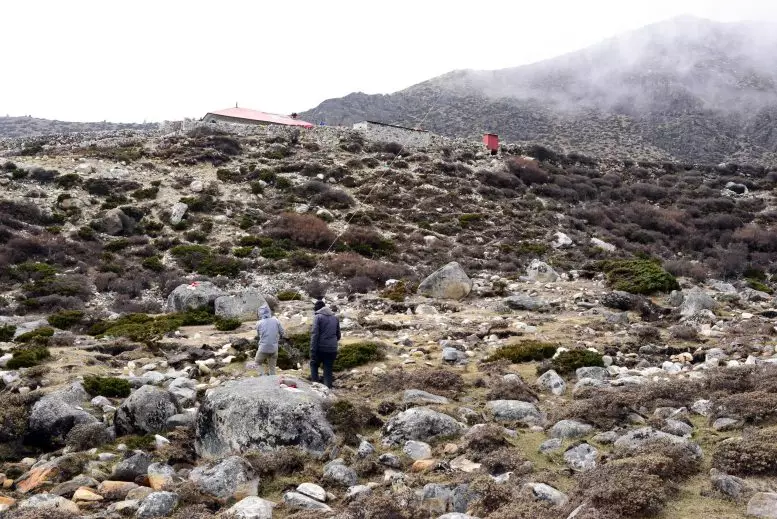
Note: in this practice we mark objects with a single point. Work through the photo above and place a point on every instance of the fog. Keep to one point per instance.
(144, 60)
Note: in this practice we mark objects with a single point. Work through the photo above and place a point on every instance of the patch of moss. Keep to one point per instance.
(755, 284)
(7, 332)
(465, 220)
(638, 276)
(568, 361)
(273, 252)
(117, 245)
(357, 354)
(255, 241)
(526, 351)
(110, 387)
(242, 252)
(66, 319)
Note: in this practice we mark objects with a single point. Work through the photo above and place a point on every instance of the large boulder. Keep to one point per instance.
(200, 294)
(419, 423)
(252, 508)
(145, 411)
(232, 478)
(260, 413)
(244, 305)
(157, 504)
(524, 302)
(114, 222)
(515, 411)
(695, 300)
(53, 416)
(638, 438)
(541, 271)
(450, 282)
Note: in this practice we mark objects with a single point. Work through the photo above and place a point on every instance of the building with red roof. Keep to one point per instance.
(248, 116)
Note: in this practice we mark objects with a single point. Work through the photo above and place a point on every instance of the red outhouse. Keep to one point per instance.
(491, 140)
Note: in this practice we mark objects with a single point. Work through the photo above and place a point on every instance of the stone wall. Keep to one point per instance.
(407, 137)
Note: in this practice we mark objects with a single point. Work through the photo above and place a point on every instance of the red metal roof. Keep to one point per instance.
(256, 115)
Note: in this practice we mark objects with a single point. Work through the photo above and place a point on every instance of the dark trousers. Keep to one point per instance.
(328, 360)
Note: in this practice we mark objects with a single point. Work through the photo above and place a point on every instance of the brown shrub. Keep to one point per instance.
(624, 489)
(512, 388)
(528, 171)
(379, 505)
(85, 436)
(439, 381)
(38, 514)
(755, 453)
(507, 459)
(669, 461)
(302, 229)
(350, 265)
(280, 462)
(753, 407)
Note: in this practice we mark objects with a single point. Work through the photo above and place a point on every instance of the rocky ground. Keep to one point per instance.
(549, 369)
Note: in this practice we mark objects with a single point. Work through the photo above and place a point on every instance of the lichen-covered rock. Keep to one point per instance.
(551, 381)
(231, 478)
(145, 411)
(53, 416)
(157, 504)
(132, 467)
(252, 508)
(515, 411)
(257, 413)
(694, 301)
(570, 430)
(419, 423)
(449, 282)
(541, 271)
(636, 438)
(338, 473)
(178, 212)
(193, 296)
(44, 504)
(243, 305)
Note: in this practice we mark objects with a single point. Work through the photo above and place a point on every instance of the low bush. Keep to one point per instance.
(349, 265)
(31, 336)
(153, 263)
(639, 276)
(350, 419)
(110, 387)
(366, 242)
(66, 319)
(7, 331)
(301, 229)
(282, 461)
(201, 259)
(439, 381)
(623, 489)
(357, 354)
(568, 361)
(225, 325)
(511, 388)
(289, 295)
(28, 356)
(255, 241)
(139, 327)
(242, 252)
(753, 454)
(525, 351)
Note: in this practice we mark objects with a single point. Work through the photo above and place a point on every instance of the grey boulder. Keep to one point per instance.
(113, 222)
(145, 411)
(53, 416)
(418, 397)
(243, 305)
(570, 430)
(297, 501)
(581, 458)
(231, 478)
(416, 450)
(157, 504)
(252, 508)
(338, 473)
(449, 282)
(543, 492)
(524, 302)
(257, 413)
(541, 271)
(194, 296)
(763, 505)
(132, 467)
(515, 411)
(695, 300)
(419, 423)
(638, 438)
(551, 381)
(730, 486)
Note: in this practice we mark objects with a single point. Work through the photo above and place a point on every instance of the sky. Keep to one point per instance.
(144, 60)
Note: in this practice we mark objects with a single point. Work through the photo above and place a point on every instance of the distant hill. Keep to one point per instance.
(686, 89)
(32, 126)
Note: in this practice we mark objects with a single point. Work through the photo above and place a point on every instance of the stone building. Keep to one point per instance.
(382, 132)
(247, 116)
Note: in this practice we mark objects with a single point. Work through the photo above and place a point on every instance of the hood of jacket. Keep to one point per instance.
(325, 311)
(265, 312)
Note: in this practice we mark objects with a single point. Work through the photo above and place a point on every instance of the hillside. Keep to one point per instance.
(603, 346)
(687, 89)
(33, 126)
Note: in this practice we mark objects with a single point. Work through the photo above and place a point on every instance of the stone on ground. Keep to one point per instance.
(145, 411)
(449, 282)
(420, 423)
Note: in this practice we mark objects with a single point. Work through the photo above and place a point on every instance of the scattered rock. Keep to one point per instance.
(54, 415)
(178, 212)
(551, 381)
(45, 503)
(160, 476)
(570, 430)
(730, 486)
(541, 272)
(515, 411)
(416, 450)
(763, 505)
(194, 296)
(338, 473)
(547, 493)
(252, 508)
(420, 423)
(524, 302)
(231, 478)
(157, 504)
(132, 467)
(449, 282)
(297, 501)
(418, 397)
(145, 411)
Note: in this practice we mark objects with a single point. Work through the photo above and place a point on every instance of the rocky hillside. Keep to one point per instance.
(687, 89)
(600, 342)
(33, 126)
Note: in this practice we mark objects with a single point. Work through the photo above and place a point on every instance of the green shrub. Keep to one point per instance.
(528, 248)
(759, 285)
(28, 356)
(225, 325)
(568, 361)
(357, 354)
(349, 419)
(201, 259)
(117, 245)
(32, 270)
(467, 219)
(43, 332)
(242, 252)
(202, 203)
(7, 331)
(66, 319)
(110, 387)
(86, 234)
(194, 317)
(256, 187)
(255, 241)
(282, 183)
(137, 327)
(153, 263)
(526, 351)
(638, 276)
(146, 194)
(145, 442)
(67, 180)
(273, 253)
(288, 295)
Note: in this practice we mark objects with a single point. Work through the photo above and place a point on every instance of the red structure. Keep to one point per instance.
(491, 140)
(248, 116)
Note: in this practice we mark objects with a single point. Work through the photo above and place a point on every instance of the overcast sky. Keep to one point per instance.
(167, 59)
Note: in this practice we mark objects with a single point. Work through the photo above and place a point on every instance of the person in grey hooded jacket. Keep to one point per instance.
(268, 332)
(323, 342)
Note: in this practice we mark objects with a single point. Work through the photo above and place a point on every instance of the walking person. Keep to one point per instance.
(268, 332)
(323, 342)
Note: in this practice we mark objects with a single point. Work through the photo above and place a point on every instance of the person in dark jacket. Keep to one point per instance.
(323, 342)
